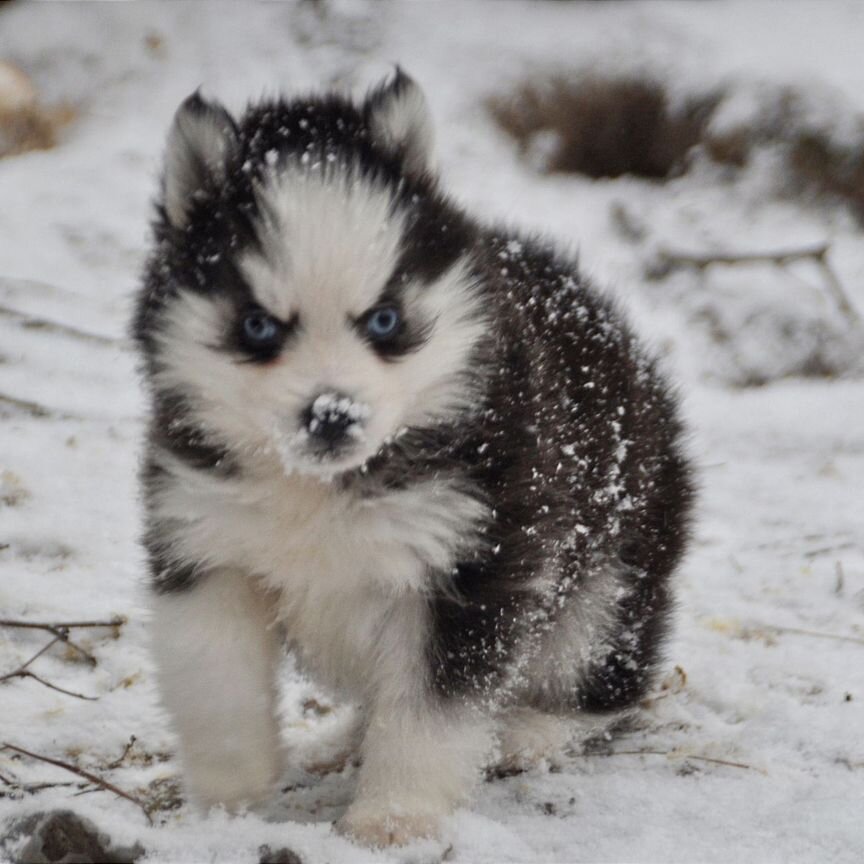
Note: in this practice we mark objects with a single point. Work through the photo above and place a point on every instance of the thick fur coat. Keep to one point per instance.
(422, 452)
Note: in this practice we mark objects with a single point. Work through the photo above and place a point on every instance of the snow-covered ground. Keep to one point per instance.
(753, 750)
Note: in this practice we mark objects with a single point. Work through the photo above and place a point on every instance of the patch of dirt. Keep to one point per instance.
(25, 123)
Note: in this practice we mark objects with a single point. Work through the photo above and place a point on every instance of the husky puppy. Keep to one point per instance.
(421, 451)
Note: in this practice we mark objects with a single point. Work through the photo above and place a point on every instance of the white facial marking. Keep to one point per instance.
(331, 242)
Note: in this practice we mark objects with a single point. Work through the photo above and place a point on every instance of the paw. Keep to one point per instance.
(529, 738)
(386, 828)
(232, 784)
(335, 765)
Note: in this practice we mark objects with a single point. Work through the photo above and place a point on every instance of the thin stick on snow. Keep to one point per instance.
(60, 631)
(668, 260)
(31, 788)
(31, 322)
(118, 762)
(62, 628)
(23, 672)
(93, 778)
(835, 288)
(38, 787)
(36, 656)
(841, 578)
(116, 621)
(26, 673)
(700, 260)
(34, 409)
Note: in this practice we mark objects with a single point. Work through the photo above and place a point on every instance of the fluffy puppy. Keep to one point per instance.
(421, 451)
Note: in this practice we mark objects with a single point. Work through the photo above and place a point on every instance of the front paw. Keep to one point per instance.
(383, 827)
(232, 784)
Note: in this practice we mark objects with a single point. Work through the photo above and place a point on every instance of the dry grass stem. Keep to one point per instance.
(673, 755)
(798, 631)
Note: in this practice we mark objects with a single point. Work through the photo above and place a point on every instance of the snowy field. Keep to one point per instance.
(753, 749)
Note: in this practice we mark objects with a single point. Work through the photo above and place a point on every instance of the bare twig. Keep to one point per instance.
(93, 778)
(38, 787)
(31, 322)
(61, 630)
(118, 762)
(17, 672)
(841, 578)
(116, 621)
(34, 409)
(75, 646)
(827, 550)
(87, 791)
(701, 260)
(63, 634)
(668, 260)
(28, 674)
(23, 672)
(31, 788)
(835, 288)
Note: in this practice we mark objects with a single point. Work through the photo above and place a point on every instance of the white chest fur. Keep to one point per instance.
(344, 567)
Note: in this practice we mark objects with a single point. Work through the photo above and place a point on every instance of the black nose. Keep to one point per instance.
(330, 417)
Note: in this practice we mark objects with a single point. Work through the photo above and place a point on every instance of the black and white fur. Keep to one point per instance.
(479, 548)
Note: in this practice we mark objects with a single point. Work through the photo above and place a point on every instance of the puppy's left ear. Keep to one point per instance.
(399, 120)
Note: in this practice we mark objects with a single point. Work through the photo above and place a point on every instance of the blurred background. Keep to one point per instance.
(705, 160)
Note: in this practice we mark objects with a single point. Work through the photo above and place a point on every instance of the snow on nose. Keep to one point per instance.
(332, 418)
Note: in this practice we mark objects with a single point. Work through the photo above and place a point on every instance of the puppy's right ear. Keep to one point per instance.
(202, 140)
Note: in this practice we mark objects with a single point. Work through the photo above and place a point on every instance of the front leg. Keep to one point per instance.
(418, 764)
(421, 754)
(216, 653)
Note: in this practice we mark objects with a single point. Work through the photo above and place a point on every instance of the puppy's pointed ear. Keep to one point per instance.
(202, 139)
(399, 119)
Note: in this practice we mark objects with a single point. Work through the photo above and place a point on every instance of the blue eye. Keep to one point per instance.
(260, 329)
(383, 323)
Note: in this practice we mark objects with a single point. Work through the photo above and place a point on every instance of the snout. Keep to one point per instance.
(333, 421)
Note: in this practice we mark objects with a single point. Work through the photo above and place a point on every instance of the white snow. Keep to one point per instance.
(331, 405)
(752, 750)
